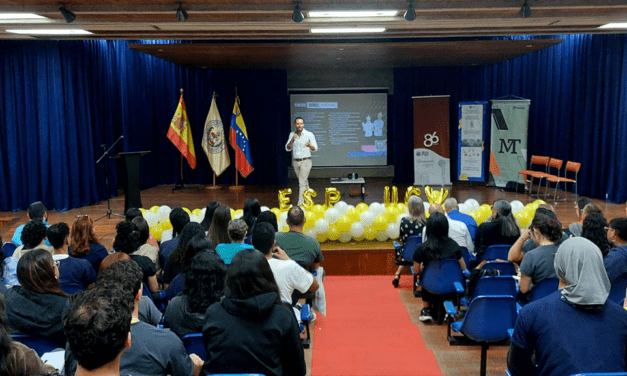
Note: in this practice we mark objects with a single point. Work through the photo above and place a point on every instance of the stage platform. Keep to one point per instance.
(352, 258)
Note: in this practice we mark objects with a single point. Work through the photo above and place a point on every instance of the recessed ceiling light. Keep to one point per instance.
(614, 25)
(348, 30)
(20, 16)
(353, 14)
(50, 31)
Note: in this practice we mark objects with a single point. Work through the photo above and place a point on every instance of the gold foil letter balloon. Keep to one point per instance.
(387, 201)
(331, 196)
(411, 190)
(284, 202)
(308, 200)
(436, 197)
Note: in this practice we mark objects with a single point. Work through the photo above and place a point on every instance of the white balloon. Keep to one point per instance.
(236, 216)
(332, 215)
(349, 207)
(383, 236)
(341, 206)
(377, 209)
(151, 218)
(321, 226)
(367, 218)
(426, 206)
(472, 204)
(357, 230)
(311, 233)
(202, 213)
(194, 218)
(462, 208)
(164, 210)
(283, 220)
(516, 206)
(264, 208)
(393, 231)
(345, 237)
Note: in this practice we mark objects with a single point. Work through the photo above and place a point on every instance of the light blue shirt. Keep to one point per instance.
(17, 237)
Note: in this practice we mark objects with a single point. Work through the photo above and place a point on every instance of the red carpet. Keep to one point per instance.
(368, 331)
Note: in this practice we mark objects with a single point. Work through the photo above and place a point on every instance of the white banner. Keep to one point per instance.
(508, 149)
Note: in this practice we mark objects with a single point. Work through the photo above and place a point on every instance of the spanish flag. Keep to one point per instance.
(238, 137)
(180, 133)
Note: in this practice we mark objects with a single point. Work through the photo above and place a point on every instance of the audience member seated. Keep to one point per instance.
(85, 244)
(178, 218)
(410, 226)
(525, 242)
(437, 246)
(537, 264)
(289, 276)
(456, 230)
(98, 329)
(36, 306)
(145, 249)
(595, 230)
(252, 305)
(133, 213)
(237, 229)
(153, 351)
(126, 241)
(218, 231)
(36, 212)
(75, 274)
(616, 260)
(174, 264)
(204, 285)
(15, 358)
(502, 229)
(33, 236)
(268, 217)
(452, 211)
(576, 329)
(209, 210)
(198, 244)
(251, 211)
(299, 247)
(148, 312)
(575, 228)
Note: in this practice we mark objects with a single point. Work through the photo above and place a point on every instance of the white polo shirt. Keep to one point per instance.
(299, 150)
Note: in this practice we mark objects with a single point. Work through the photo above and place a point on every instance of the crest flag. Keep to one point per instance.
(213, 141)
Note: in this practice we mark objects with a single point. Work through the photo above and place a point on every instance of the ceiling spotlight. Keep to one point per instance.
(410, 15)
(297, 16)
(68, 16)
(181, 14)
(525, 10)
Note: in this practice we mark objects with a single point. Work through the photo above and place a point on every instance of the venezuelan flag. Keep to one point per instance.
(238, 137)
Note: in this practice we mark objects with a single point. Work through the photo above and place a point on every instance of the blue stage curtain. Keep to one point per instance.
(60, 101)
(577, 91)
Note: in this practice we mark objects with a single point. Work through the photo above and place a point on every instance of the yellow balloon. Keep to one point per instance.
(411, 190)
(154, 209)
(238, 212)
(380, 223)
(285, 228)
(187, 211)
(321, 238)
(391, 212)
(361, 207)
(196, 211)
(144, 211)
(370, 233)
(343, 223)
(539, 202)
(524, 218)
(232, 212)
(284, 201)
(167, 225)
(308, 200)
(333, 233)
(331, 196)
(359, 238)
(401, 207)
(352, 215)
(276, 212)
(310, 220)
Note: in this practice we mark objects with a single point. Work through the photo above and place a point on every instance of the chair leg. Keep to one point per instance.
(484, 358)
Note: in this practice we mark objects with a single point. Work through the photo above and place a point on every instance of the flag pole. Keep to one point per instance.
(181, 185)
(236, 187)
(214, 186)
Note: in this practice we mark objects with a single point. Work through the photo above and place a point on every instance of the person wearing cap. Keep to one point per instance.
(301, 143)
(237, 229)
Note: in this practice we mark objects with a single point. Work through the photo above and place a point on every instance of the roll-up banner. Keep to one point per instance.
(472, 136)
(432, 154)
(508, 148)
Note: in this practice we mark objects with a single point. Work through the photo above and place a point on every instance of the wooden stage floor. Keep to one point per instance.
(352, 258)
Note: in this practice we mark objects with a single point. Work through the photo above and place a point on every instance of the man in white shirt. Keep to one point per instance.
(301, 143)
(457, 230)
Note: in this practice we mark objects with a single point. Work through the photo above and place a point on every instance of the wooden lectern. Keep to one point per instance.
(130, 162)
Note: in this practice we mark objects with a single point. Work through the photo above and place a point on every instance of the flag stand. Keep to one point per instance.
(236, 187)
(180, 184)
(214, 186)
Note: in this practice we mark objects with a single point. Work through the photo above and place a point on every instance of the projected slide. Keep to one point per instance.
(351, 129)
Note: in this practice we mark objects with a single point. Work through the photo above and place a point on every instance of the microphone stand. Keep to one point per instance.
(106, 152)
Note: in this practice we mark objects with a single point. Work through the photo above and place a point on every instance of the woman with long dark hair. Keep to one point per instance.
(251, 211)
(252, 305)
(209, 210)
(127, 241)
(411, 225)
(145, 249)
(595, 229)
(502, 229)
(269, 217)
(84, 243)
(437, 246)
(218, 232)
(204, 285)
(180, 257)
(37, 305)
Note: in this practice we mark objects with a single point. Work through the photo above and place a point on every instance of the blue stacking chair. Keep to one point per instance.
(443, 278)
(602, 374)
(40, 344)
(545, 288)
(496, 251)
(487, 321)
(8, 248)
(495, 285)
(407, 253)
(617, 292)
(506, 267)
(236, 374)
(194, 344)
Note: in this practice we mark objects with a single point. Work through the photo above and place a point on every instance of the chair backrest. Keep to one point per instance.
(539, 160)
(555, 164)
(489, 317)
(410, 246)
(496, 251)
(439, 276)
(506, 267)
(8, 248)
(545, 288)
(573, 166)
(617, 292)
(495, 285)
(194, 344)
(41, 345)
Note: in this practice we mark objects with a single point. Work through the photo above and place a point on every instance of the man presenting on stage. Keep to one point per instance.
(301, 143)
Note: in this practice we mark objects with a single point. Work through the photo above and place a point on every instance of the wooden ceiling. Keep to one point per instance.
(245, 31)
